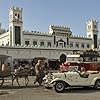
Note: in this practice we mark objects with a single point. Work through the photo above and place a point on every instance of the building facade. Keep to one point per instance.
(22, 44)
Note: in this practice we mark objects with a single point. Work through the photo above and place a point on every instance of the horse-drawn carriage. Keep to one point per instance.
(21, 72)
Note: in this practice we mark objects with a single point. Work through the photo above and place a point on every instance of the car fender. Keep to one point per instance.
(94, 80)
(58, 79)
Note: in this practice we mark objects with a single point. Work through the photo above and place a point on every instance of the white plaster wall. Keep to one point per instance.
(38, 38)
(80, 41)
(4, 38)
(32, 52)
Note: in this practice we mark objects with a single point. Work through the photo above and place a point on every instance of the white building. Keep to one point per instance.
(59, 40)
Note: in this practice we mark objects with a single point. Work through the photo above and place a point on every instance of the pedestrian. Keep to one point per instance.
(39, 69)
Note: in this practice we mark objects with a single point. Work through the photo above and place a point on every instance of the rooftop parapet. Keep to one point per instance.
(91, 21)
(16, 8)
(77, 36)
(35, 32)
(60, 27)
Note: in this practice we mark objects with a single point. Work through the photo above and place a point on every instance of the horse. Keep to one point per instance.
(22, 73)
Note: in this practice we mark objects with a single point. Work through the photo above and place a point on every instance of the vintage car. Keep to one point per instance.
(72, 78)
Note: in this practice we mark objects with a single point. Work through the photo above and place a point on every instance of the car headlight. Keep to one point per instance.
(49, 77)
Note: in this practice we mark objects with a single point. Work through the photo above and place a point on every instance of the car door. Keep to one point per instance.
(82, 81)
(74, 79)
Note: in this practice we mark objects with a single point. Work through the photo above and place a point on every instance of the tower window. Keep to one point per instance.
(18, 16)
(89, 27)
(95, 40)
(67, 41)
(10, 35)
(89, 35)
(15, 14)
(94, 26)
(17, 35)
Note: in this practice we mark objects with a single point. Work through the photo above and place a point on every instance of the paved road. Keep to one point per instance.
(35, 92)
(39, 93)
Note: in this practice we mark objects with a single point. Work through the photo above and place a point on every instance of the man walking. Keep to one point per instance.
(39, 69)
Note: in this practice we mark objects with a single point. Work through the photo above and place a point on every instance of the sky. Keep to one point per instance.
(39, 14)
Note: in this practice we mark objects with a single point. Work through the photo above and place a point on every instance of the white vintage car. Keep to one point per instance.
(61, 80)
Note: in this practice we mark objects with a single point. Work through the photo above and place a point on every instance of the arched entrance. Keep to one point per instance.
(62, 58)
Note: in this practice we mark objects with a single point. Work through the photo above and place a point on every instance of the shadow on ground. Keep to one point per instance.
(69, 90)
(82, 90)
(19, 87)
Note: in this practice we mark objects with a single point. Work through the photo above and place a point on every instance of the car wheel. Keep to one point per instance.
(59, 87)
(97, 84)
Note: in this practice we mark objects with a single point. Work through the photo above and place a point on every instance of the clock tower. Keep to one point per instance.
(15, 26)
(92, 32)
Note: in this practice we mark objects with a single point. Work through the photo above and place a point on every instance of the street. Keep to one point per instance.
(35, 92)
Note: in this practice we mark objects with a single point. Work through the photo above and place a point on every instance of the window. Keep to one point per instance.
(77, 45)
(95, 40)
(67, 41)
(61, 45)
(2, 43)
(41, 44)
(7, 43)
(94, 26)
(18, 16)
(49, 44)
(10, 35)
(88, 46)
(27, 43)
(89, 35)
(71, 45)
(17, 35)
(34, 43)
(82, 45)
(15, 14)
(89, 27)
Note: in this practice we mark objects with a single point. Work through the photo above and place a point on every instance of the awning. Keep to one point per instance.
(73, 56)
(42, 58)
(53, 59)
